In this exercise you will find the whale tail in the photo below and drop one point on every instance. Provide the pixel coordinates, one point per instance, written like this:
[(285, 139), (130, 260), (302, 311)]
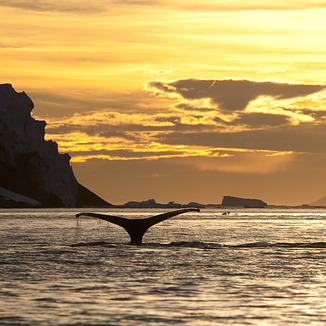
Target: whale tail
[(136, 228)]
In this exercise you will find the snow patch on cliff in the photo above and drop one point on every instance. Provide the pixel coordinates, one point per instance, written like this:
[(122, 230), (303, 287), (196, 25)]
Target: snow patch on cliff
[(19, 198)]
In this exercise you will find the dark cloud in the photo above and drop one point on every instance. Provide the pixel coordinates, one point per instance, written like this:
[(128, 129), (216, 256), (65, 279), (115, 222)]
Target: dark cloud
[(317, 115), (274, 134), (106, 130), (127, 154), (66, 102), (188, 107), (302, 138), (233, 95), (258, 120), (133, 133)]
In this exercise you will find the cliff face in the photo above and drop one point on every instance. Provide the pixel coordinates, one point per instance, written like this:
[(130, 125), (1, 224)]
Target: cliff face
[(229, 201), (31, 166)]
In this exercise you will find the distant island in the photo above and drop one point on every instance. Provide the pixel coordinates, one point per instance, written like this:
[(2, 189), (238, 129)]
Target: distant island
[(319, 202), (151, 203), (229, 201)]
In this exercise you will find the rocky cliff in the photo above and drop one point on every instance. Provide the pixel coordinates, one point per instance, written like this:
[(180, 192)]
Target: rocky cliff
[(30, 166), (229, 201)]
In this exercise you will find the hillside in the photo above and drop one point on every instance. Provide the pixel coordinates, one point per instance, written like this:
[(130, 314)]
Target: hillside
[(32, 171)]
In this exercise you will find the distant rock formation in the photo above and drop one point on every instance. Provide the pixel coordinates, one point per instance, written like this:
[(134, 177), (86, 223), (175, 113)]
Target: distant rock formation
[(151, 203), (32, 172), (229, 201), (319, 202)]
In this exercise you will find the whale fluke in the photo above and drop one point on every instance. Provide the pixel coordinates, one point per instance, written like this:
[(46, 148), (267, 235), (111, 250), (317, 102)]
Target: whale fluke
[(136, 228)]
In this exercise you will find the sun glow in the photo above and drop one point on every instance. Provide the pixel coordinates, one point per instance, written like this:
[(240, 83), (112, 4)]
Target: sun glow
[(94, 48), (124, 81)]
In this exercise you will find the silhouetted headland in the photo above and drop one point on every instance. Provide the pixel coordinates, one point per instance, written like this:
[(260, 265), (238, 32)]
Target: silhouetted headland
[(32, 171)]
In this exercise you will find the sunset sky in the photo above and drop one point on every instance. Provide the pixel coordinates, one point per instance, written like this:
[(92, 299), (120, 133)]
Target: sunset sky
[(177, 100)]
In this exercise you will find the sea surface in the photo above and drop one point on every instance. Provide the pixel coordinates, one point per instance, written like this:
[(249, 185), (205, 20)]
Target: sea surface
[(251, 267)]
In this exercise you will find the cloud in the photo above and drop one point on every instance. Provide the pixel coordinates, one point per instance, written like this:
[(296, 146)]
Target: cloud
[(236, 5), (301, 138), (241, 105), (291, 118), (59, 102), (89, 137), (86, 7), (261, 120), (74, 6), (48, 5), (232, 95)]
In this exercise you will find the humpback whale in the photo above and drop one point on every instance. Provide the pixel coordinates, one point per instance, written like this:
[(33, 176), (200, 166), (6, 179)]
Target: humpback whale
[(136, 228)]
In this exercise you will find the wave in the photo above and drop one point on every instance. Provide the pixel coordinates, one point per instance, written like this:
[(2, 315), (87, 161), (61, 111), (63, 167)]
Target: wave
[(263, 244), (206, 245), (93, 244), (259, 244)]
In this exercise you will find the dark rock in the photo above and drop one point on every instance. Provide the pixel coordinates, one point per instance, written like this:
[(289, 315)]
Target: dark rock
[(229, 201), (151, 203), (86, 198)]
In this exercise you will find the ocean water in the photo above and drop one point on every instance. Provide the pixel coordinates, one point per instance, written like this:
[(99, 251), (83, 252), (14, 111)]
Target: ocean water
[(252, 267)]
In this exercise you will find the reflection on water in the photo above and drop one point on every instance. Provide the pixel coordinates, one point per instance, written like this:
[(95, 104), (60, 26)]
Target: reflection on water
[(259, 267)]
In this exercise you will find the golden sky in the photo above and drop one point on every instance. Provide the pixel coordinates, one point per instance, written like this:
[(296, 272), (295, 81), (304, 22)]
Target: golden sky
[(177, 100)]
